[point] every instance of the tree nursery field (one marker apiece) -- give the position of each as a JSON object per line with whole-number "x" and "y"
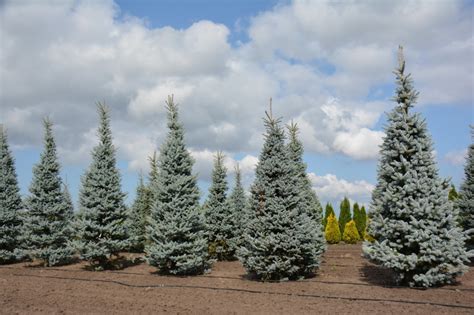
{"x": 345, "y": 283}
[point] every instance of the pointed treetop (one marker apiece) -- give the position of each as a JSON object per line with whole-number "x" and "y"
{"x": 401, "y": 58}
{"x": 293, "y": 129}
{"x": 270, "y": 120}
{"x": 406, "y": 95}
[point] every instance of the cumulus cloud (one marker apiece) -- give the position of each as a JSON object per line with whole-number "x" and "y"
{"x": 86, "y": 51}
{"x": 332, "y": 189}
{"x": 456, "y": 158}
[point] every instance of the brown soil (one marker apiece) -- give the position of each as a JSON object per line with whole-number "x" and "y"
{"x": 346, "y": 283}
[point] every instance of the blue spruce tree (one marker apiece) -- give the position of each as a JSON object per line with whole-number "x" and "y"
{"x": 102, "y": 226}
{"x": 219, "y": 218}
{"x": 414, "y": 225}
{"x": 465, "y": 202}
{"x": 10, "y": 205}
{"x": 138, "y": 217}
{"x": 296, "y": 150}
{"x": 47, "y": 230}
{"x": 177, "y": 242}
{"x": 281, "y": 241}
{"x": 238, "y": 206}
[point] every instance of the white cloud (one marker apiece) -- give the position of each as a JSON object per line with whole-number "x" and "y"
{"x": 332, "y": 189}
{"x": 456, "y": 157}
{"x": 85, "y": 51}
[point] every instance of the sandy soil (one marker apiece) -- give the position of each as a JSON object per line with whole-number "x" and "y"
{"x": 346, "y": 283}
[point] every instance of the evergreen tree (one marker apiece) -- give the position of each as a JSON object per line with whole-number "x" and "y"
{"x": 332, "y": 231}
{"x": 68, "y": 200}
{"x": 219, "y": 216}
{"x": 280, "y": 241}
{"x": 295, "y": 149}
{"x": 102, "y": 226}
{"x": 413, "y": 224}
{"x": 453, "y": 194}
{"x": 465, "y": 203}
{"x": 10, "y": 205}
{"x": 152, "y": 176}
{"x": 238, "y": 207}
{"x": 363, "y": 222}
{"x": 351, "y": 235}
{"x": 359, "y": 220}
{"x": 344, "y": 214}
{"x": 177, "y": 230}
{"x": 138, "y": 217}
{"x": 328, "y": 212}
{"x": 47, "y": 229}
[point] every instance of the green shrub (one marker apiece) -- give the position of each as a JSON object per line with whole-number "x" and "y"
{"x": 350, "y": 236}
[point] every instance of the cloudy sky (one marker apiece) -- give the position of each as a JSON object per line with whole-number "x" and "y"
{"x": 327, "y": 64}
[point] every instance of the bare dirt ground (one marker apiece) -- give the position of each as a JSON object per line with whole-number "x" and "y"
{"x": 346, "y": 283}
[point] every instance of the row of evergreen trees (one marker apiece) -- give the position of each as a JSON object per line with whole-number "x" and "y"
{"x": 276, "y": 233}
{"x": 349, "y": 228}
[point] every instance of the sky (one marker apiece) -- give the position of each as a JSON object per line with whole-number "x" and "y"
{"x": 326, "y": 64}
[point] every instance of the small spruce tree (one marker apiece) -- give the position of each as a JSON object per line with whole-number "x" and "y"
{"x": 359, "y": 219}
{"x": 177, "y": 242}
{"x": 102, "y": 225}
{"x": 10, "y": 205}
{"x": 280, "y": 240}
{"x": 138, "y": 217}
{"x": 238, "y": 207}
{"x": 218, "y": 213}
{"x": 351, "y": 235}
{"x": 329, "y": 210}
{"x": 453, "y": 194}
{"x": 344, "y": 214}
{"x": 296, "y": 150}
{"x": 332, "y": 231}
{"x": 465, "y": 202}
{"x": 70, "y": 205}
{"x": 412, "y": 222}
{"x": 47, "y": 230}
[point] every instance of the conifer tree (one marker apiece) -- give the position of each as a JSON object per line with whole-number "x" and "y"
{"x": 344, "y": 214}
{"x": 332, "y": 231}
{"x": 412, "y": 222}
{"x": 359, "y": 220}
{"x": 453, "y": 194}
{"x": 152, "y": 176}
{"x": 177, "y": 241}
{"x": 68, "y": 200}
{"x": 10, "y": 205}
{"x": 295, "y": 149}
{"x": 328, "y": 212}
{"x": 363, "y": 222}
{"x": 465, "y": 203}
{"x": 238, "y": 206}
{"x": 280, "y": 240}
{"x": 351, "y": 235}
{"x": 138, "y": 217}
{"x": 47, "y": 230}
{"x": 102, "y": 226}
{"x": 219, "y": 217}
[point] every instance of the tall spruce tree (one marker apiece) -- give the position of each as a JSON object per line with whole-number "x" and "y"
{"x": 219, "y": 217}
{"x": 47, "y": 230}
{"x": 177, "y": 230}
{"x": 329, "y": 210}
{"x": 238, "y": 207}
{"x": 10, "y": 205}
{"x": 465, "y": 203}
{"x": 68, "y": 200}
{"x": 102, "y": 226}
{"x": 138, "y": 217}
{"x": 312, "y": 205}
{"x": 344, "y": 214}
{"x": 413, "y": 224}
{"x": 280, "y": 240}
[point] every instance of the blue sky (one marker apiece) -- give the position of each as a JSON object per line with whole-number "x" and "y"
{"x": 327, "y": 66}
